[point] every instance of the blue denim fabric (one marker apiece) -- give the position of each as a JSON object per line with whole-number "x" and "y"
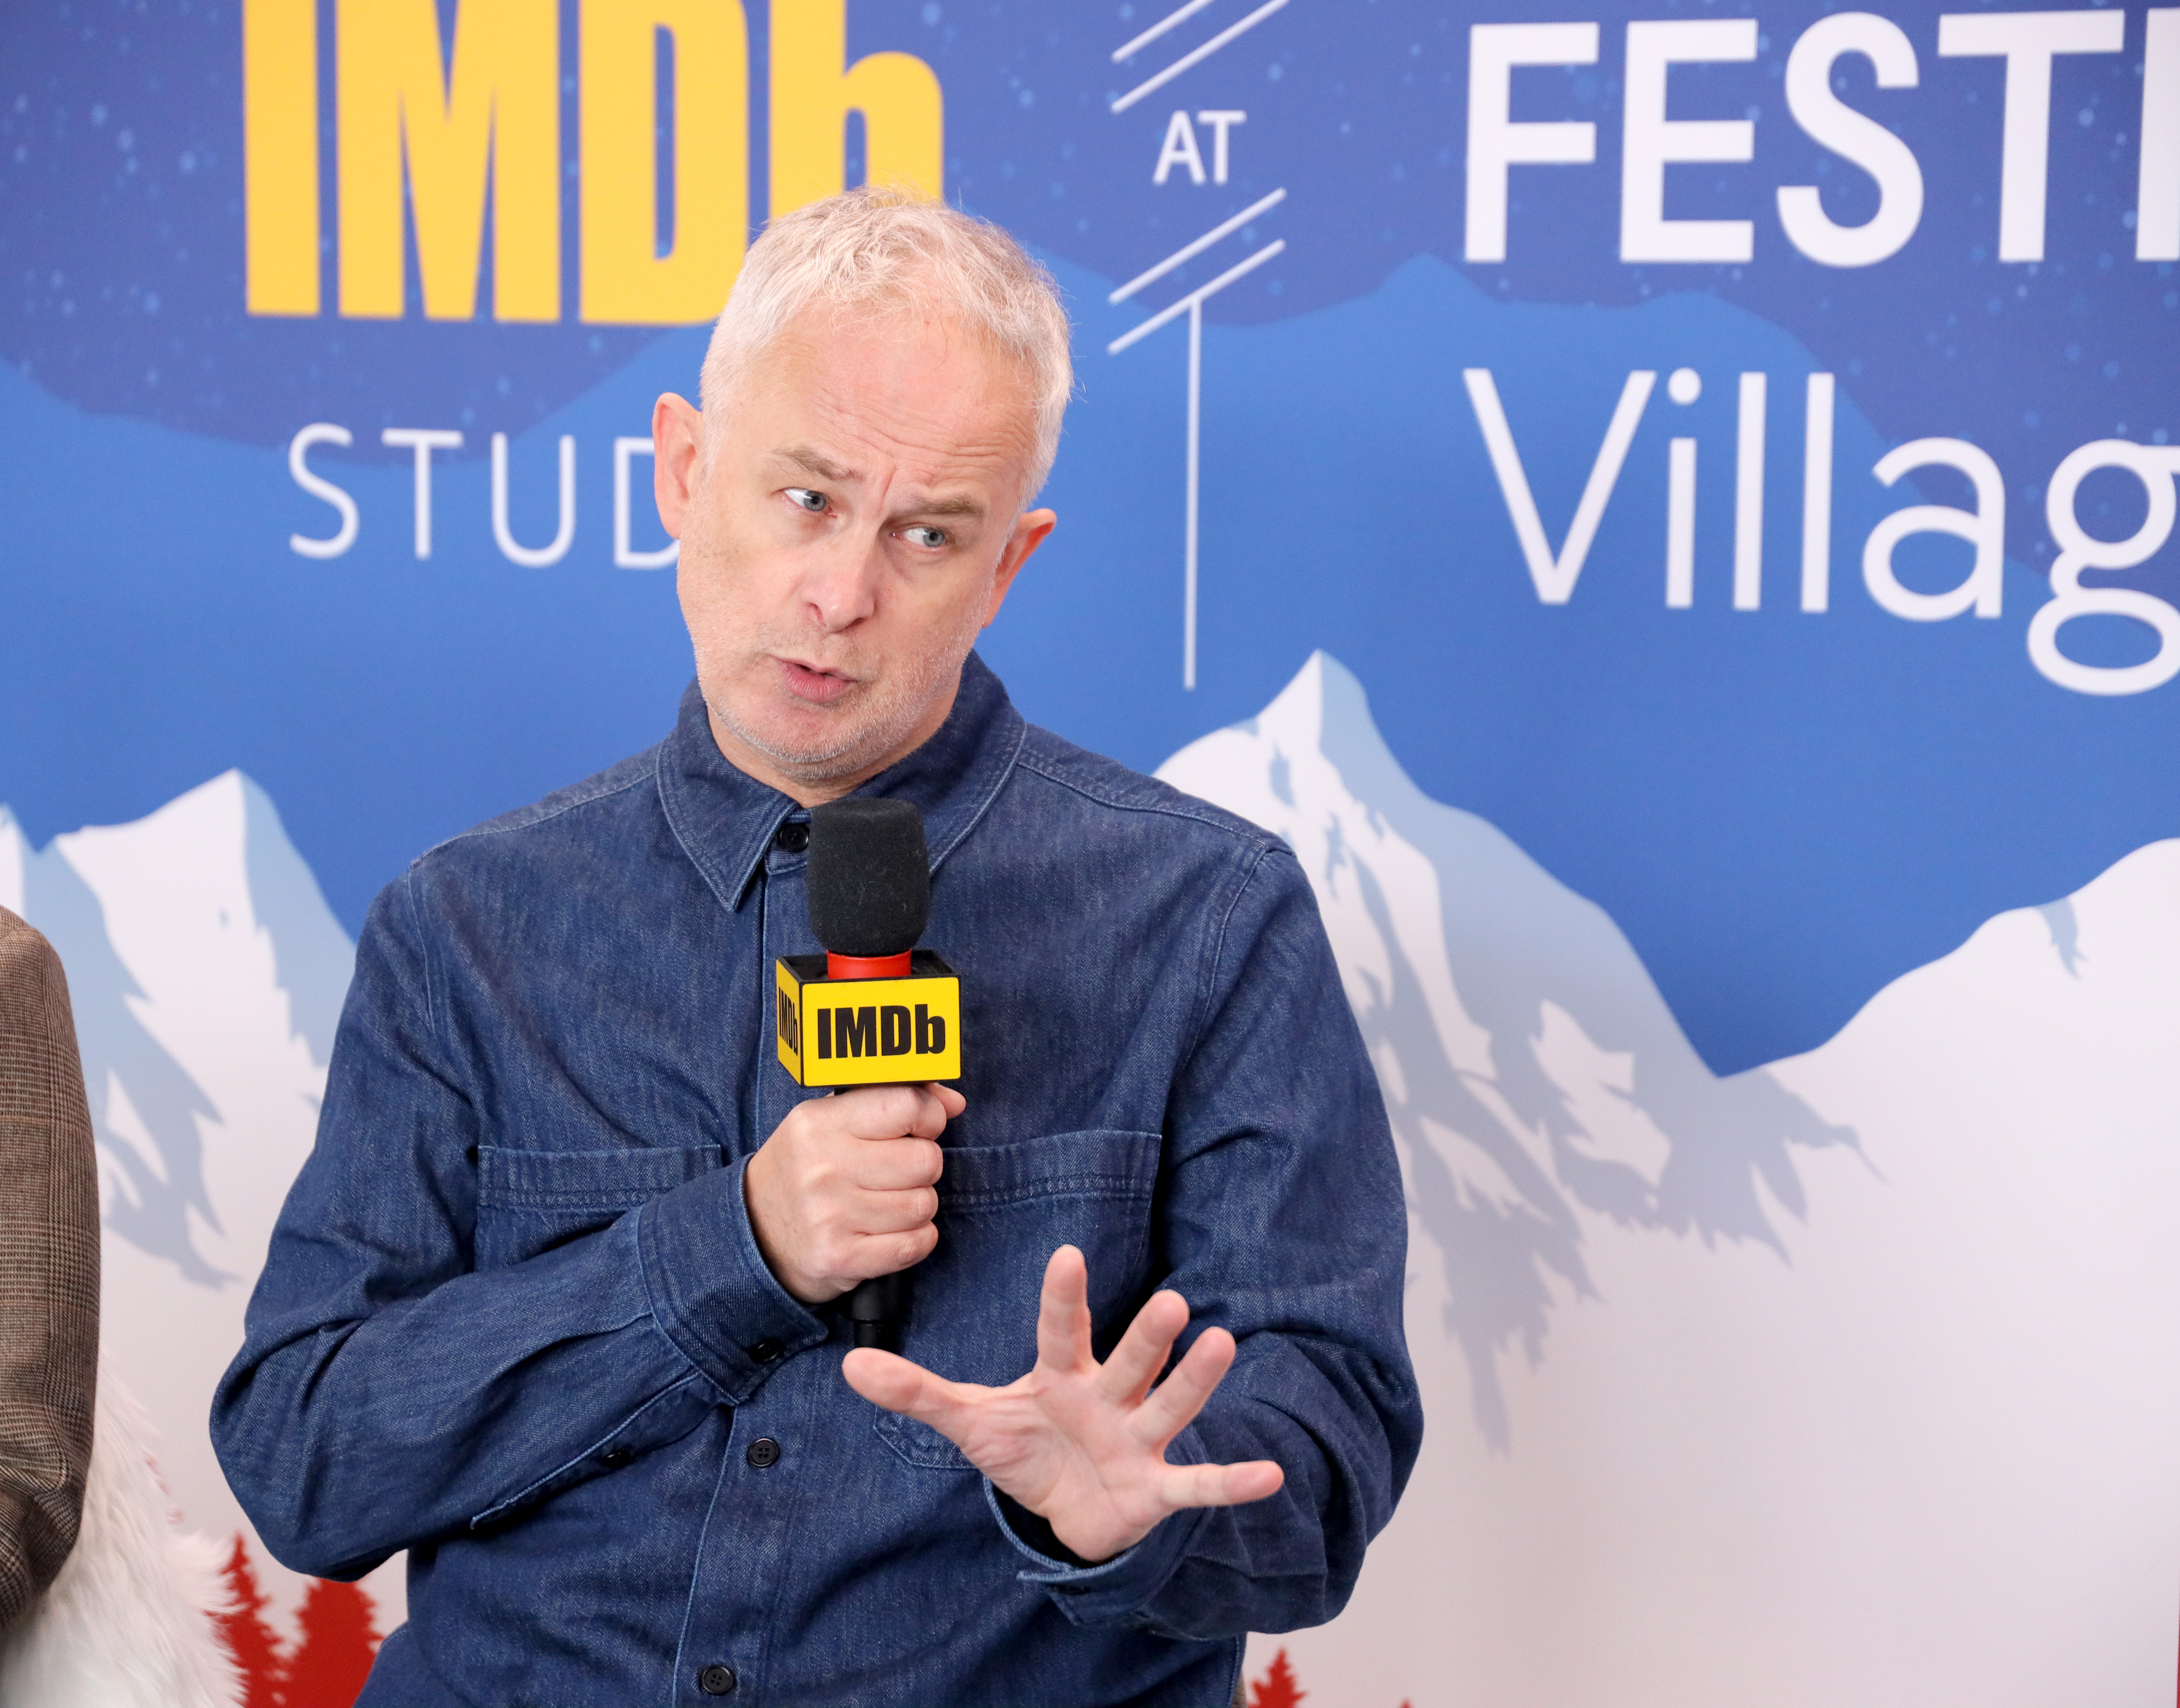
{"x": 514, "y": 1319}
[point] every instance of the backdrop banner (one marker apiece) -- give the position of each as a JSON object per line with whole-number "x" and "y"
{"x": 1668, "y": 508}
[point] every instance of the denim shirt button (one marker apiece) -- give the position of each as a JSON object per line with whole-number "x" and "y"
{"x": 792, "y": 837}
{"x": 615, "y": 1457}
{"x": 717, "y": 1681}
{"x": 766, "y": 1350}
{"x": 764, "y": 1453}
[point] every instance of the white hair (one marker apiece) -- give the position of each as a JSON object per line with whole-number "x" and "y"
{"x": 880, "y": 249}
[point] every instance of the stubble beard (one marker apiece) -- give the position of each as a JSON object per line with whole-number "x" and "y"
{"x": 874, "y": 726}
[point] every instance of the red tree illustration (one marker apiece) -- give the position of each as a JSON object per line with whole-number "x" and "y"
{"x": 1277, "y": 1688}
{"x": 333, "y": 1655}
{"x": 247, "y": 1638}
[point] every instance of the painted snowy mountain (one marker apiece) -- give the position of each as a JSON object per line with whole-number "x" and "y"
{"x": 1844, "y": 1379}
{"x": 1534, "y": 1074}
{"x": 207, "y": 974}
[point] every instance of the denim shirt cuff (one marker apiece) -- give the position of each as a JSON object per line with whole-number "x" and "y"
{"x": 711, "y": 1292}
{"x": 1113, "y": 1591}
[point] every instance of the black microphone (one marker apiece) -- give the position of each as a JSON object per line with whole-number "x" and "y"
{"x": 873, "y": 995}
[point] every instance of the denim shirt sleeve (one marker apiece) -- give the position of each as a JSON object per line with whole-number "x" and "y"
{"x": 1285, "y": 1222}
{"x": 388, "y": 1393}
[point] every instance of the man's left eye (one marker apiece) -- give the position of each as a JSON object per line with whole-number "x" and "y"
{"x": 922, "y": 536}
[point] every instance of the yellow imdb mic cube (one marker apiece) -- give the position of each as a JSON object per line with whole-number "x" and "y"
{"x": 837, "y": 1031}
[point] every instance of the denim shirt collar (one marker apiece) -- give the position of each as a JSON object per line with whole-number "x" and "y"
{"x": 725, "y": 819}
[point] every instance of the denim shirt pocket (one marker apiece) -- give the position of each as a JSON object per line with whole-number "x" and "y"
{"x": 529, "y": 1201}
{"x": 1003, "y": 1210}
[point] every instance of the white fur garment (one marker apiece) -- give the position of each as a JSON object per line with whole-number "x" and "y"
{"x": 128, "y": 1621}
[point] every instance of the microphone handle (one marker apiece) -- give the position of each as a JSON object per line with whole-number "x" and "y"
{"x": 877, "y": 1307}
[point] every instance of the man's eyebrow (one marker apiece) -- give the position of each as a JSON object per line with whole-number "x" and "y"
{"x": 810, "y": 462}
{"x": 960, "y": 505}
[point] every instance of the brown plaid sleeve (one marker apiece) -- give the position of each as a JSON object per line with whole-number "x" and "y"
{"x": 48, "y": 1270}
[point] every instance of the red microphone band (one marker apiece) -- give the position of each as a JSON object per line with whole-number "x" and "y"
{"x": 867, "y": 966}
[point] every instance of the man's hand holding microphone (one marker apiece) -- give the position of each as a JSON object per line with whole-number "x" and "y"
{"x": 845, "y": 1188}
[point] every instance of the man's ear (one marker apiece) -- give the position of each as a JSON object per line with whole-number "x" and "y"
{"x": 677, "y": 440}
{"x": 1031, "y": 529}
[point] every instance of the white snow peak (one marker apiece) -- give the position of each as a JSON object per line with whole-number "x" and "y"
{"x": 1536, "y": 1079}
{"x": 206, "y": 974}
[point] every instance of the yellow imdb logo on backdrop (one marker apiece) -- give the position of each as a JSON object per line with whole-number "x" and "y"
{"x": 471, "y": 120}
{"x": 868, "y": 1031}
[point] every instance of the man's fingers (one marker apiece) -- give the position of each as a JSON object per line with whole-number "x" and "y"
{"x": 931, "y": 1112}
{"x": 1183, "y": 1486}
{"x": 883, "y": 1253}
{"x": 1143, "y": 1350}
{"x": 893, "y": 1111}
{"x": 894, "y": 1212}
{"x": 897, "y": 1165}
{"x": 1181, "y": 1396}
{"x": 1062, "y": 1314}
{"x": 887, "y": 1380}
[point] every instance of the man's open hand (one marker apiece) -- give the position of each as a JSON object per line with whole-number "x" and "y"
{"x": 1081, "y": 1443}
{"x": 844, "y": 1189}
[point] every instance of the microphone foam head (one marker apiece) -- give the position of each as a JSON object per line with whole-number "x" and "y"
{"x": 869, "y": 877}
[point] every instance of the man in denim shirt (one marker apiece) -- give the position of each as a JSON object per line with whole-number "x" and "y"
{"x": 554, "y": 1303}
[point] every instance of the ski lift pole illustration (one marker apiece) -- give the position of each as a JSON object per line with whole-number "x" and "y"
{"x": 1192, "y": 305}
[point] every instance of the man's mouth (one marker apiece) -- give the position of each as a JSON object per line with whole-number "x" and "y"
{"x": 818, "y": 687}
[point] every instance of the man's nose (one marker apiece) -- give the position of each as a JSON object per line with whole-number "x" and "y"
{"x": 840, "y": 580}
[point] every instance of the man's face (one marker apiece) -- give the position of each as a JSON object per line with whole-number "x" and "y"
{"x": 848, "y": 524}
